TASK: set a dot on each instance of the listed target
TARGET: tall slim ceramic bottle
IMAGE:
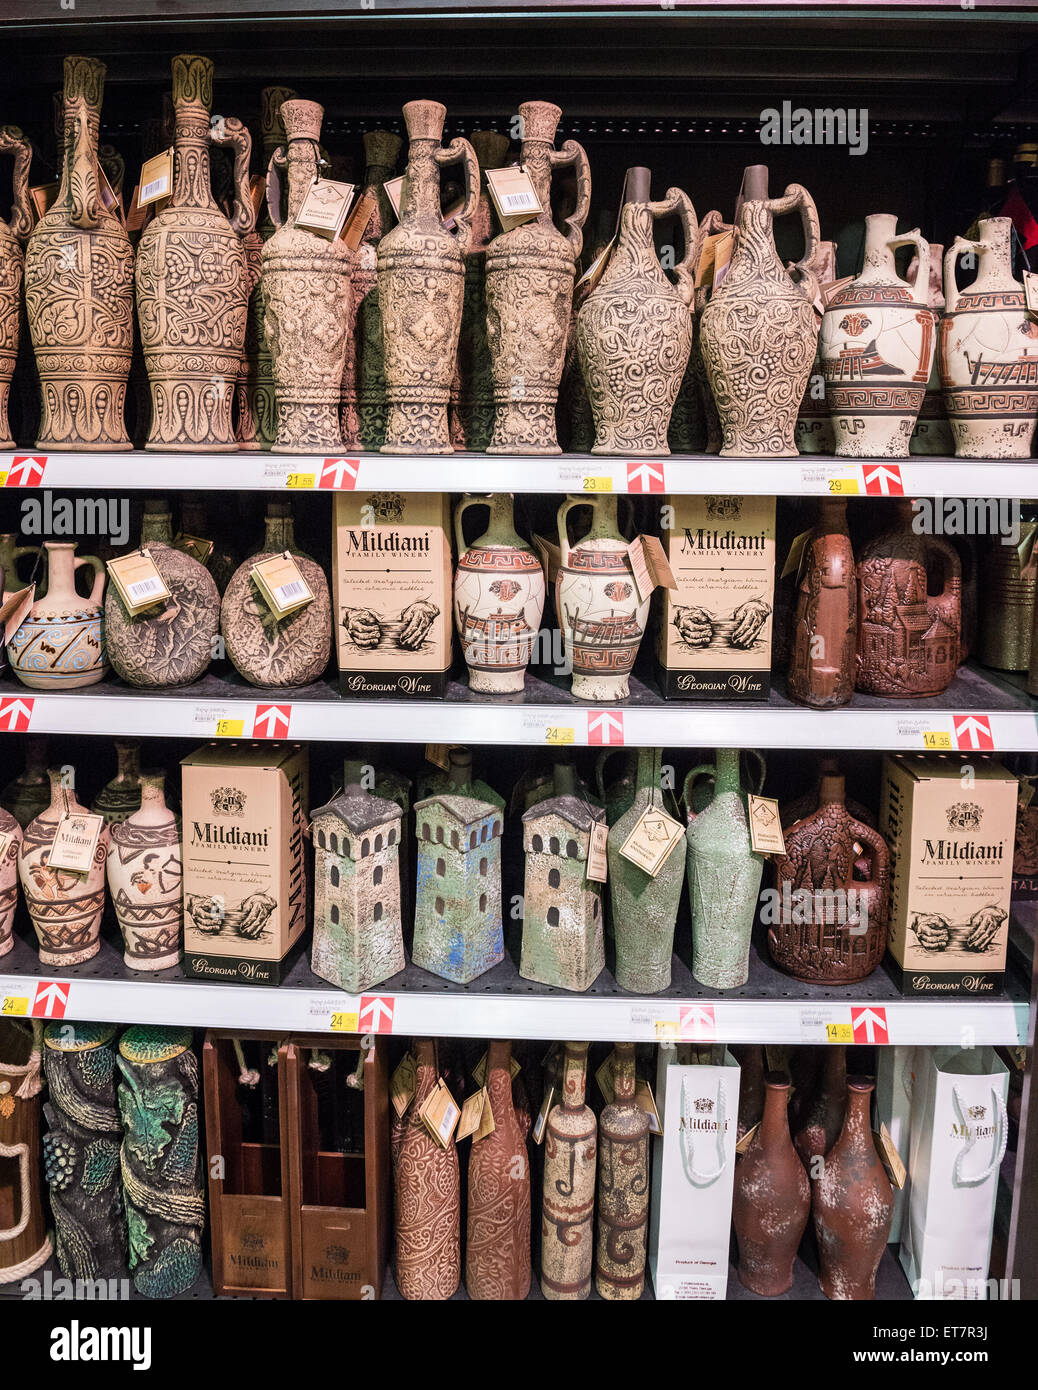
(567, 1212)
(772, 1198)
(825, 624)
(12, 267)
(428, 1199)
(362, 411)
(144, 879)
(623, 1186)
(724, 876)
(497, 1254)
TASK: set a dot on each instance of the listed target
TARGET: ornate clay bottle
(759, 329)
(12, 266)
(192, 284)
(723, 879)
(362, 412)
(877, 345)
(29, 793)
(814, 431)
(121, 796)
(853, 1204)
(472, 391)
(10, 849)
(989, 366)
(567, 1212)
(597, 602)
(306, 295)
(529, 283)
(60, 645)
(498, 598)
(772, 1198)
(834, 883)
(25, 1242)
(623, 1186)
(421, 286)
(634, 330)
(822, 1110)
(267, 650)
(933, 433)
(908, 640)
(497, 1249)
(694, 423)
(81, 1150)
(644, 908)
(1009, 598)
(79, 288)
(428, 1199)
(825, 623)
(800, 806)
(144, 879)
(162, 1178)
(65, 906)
(170, 643)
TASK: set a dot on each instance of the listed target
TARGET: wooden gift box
(340, 1200)
(249, 1208)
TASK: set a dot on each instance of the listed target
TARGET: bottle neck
(459, 771)
(153, 792)
(279, 533)
(564, 779)
(62, 797)
(648, 777)
(421, 193)
(302, 169)
(127, 758)
(425, 1064)
(775, 1123)
(499, 1074)
(832, 516)
(574, 1074)
(623, 1072)
(157, 528)
(727, 764)
(857, 1121)
(192, 184)
(536, 162)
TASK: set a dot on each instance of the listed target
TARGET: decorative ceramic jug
(362, 412)
(823, 1107)
(694, 423)
(529, 285)
(852, 1204)
(10, 849)
(724, 875)
(170, 643)
(933, 433)
(567, 1211)
(25, 1242)
(271, 651)
(814, 431)
(65, 906)
(497, 1247)
(498, 598)
(12, 267)
(79, 288)
(427, 1186)
(644, 906)
(825, 625)
(598, 606)
(908, 640)
(120, 797)
(29, 793)
(576, 424)
(758, 328)
(306, 294)
(421, 287)
(877, 346)
(144, 879)
(60, 645)
(831, 926)
(623, 1186)
(472, 391)
(634, 330)
(772, 1198)
(989, 351)
(192, 285)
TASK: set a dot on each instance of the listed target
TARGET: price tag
(937, 742)
(597, 860)
(747, 1139)
(281, 584)
(156, 178)
(815, 1024)
(403, 1084)
(604, 1077)
(230, 728)
(325, 206)
(896, 1170)
(42, 197)
(14, 1004)
(597, 484)
(15, 610)
(357, 223)
(666, 1029)
(513, 195)
(651, 840)
(595, 270)
(344, 1023)
(74, 842)
(844, 487)
(439, 754)
(650, 566)
(542, 1115)
(440, 1113)
(472, 1114)
(557, 734)
(839, 1033)
(796, 550)
(138, 582)
(645, 1100)
(393, 188)
(1031, 290)
(301, 480)
(196, 546)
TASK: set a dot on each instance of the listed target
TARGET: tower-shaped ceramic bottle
(12, 267)
(568, 1206)
(825, 623)
(529, 281)
(144, 879)
(772, 1198)
(421, 287)
(427, 1188)
(497, 1249)
(623, 1186)
(79, 287)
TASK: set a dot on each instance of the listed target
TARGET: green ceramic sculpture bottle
(723, 881)
(645, 909)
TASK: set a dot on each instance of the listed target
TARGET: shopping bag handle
(1003, 1129)
(694, 1175)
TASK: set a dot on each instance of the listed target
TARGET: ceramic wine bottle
(822, 1108)
(1009, 597)
(497, 1252)
(362, 411)
(427, 1187)
(121, 796)
(25, 1242)
(12, 267)
(623, 1186)
(61, 645)
(825, 624)
(567, 1212)
(144, 879)
(933, 432)
(772, 1198)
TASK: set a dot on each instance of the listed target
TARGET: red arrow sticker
(340, 474)
(375, 1014)
(883, 480)
(26, 470)
(605, 726)
(271, 721)
(697, 1021)
(870, 1025)
(645, 477)
(973, 731)
(15, 713)
(50, 1000)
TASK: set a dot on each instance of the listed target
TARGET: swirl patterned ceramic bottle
(12, 267)
(623, 1186)
(79, 288)
(568, 1208)
(60, 645)
(497, 1254)
(427, 1188)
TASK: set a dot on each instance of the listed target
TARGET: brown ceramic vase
(772, 1198)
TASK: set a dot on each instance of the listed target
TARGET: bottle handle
(228, 130)
(573, 153)
(600, 766)
(468, 500)
(12, 141)
(97, 588)
(278, 161)
(954, 251)
(678, 203)
(921, 283)
(22, 1151)
(796, 197)
(460, 151)
(934, 545)
(703, 770)
(873, 840)
(563, 512)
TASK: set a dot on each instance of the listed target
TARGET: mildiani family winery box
(393, 620)
(714, 634)
(949, 822)
(245, 889)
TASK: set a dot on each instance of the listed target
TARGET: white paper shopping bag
(895, 1081)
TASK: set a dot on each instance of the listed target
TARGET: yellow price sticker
(230, 728)
(300, 480)
(935, 741)
(844, 487)
(344, 1023)
(3, 478)
(554, 734)
(598, 484)
(666, 1028)
(839, 1033)
(14, 1005)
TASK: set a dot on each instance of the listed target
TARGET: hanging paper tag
(356, 224)
(196, 546)
(479, 1071)
(896, 1170)
(604, 1078)
(471, 1114)
(650, 842)
(551, 558)
(650, 565)
(1031, 290)
(403, 1084)
(439, 754)
(541, 1120)
(156, 178)
(723, 249)
(440, 1113)
(282, 586)
(42, 198)
(597, 860)
(645, 1100)
(15, 609)
(796, 550)
(486, 1120)
(513, 195)
(393, 189)
(596, 269)
(325, 206)
(747, 1139)
(139, 583)
(137, 216)
(74, 842)
(765, 825)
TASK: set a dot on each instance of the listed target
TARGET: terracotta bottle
(79, 288)
(803, 805)
(193, 337)
(60, 645)
(821, 1112)
(428, 1199)
(852, 1204)
(814, 431)
(25, 1242)
(1009, 598)
(10, 849)
(65, 906)
(12, 267)
(121, 796)
(989, 366)
(908, 640)
(498, 598)
(570, 1156)
(772, 1198)
(421, 287)
(362, 411)
(306, 295)
(144, 879)
(877, 346)
(497, 1253)
(821, 673)
(623, 1186)
(831, 926)
(29, 793)
(529, 284)
(758, 313)
(933, 433)
(634, 330)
